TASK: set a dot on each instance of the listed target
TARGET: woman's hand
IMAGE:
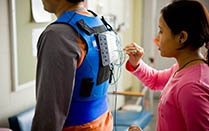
(135, 53)
(134, 128)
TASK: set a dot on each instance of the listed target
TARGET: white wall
(10, 102)
(151, 13)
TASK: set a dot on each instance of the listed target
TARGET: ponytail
(207, 43)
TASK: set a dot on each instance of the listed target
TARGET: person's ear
(182, 36)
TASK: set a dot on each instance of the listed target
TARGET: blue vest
(89, 99)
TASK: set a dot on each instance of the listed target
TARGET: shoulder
(193, 74)
(59, 28)
(59, 33)
(59, 37)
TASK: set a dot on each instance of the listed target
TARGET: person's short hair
(75, 1)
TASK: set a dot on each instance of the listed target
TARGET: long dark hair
(190, 16)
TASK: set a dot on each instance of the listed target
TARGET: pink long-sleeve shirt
(184, 101)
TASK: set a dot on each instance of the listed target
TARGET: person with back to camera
(71, 83)
(184, 100)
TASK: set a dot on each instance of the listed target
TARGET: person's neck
(69, 7)
(189, 59)
(189, 56)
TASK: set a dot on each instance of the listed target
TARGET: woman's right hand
(134, 128)
(135, 53)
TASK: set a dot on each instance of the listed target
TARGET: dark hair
(75, 1)
(190, 16)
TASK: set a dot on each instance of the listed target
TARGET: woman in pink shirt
(184, 101)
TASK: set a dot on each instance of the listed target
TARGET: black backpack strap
(107, 25)
(90, 30)
(83, 26)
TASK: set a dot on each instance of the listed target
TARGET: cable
(115, 68)
(115, 104)
(119, 61)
